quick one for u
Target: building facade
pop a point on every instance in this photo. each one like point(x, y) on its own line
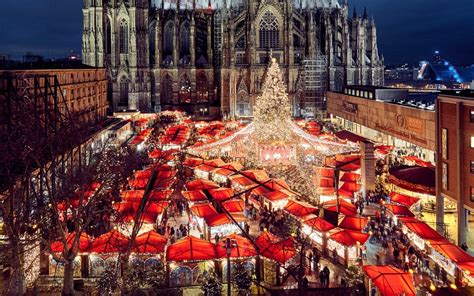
point(455, 169)
point(209, 56)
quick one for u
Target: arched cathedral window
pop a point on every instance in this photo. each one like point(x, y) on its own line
point(123, 92)
point(167, 90)
point(202, 89)
point(269, 31)
point(123, 36)
point(184, 38)
point(185, 90)
point(168, 36)
point(108, 36)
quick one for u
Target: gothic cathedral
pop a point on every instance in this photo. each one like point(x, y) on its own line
point(207, 57)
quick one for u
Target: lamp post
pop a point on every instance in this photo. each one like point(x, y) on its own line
point(228, 245)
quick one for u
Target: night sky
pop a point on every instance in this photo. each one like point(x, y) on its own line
point(408, 30)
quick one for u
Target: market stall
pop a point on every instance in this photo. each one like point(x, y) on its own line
point(188, 260)
point(222, 224)
point(200, 184)
point(389, 281)
point(80, 244)
point(299, 209)
point(357, 223)
point(105, 251)
point(347, 244)
point(316, 229)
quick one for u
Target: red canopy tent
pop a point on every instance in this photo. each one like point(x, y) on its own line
point(349, 136)
point(137, 195)
point(82, 244)
point(399, 210)
point(214, 162)
point(203, 210)
point(222, 219)
point(299, 209)
point(233, 166)
point(205, 168)
point(200, 184)
point(345, 207)
point(241, 181)
point(243, 247)
point(349, 237)
point(419, 162)
point(421, 229)
point(127, 211)
point(221, 193)
point(149, 242)
point(255, 175)
point(326, 182)
point(109, 242)
point(160, 154)
point(223, 172)
point(452, 252)
point(350, 187)
point(353, 223)
point(319, 224)
point(390, 281)
point(274, 248)
point(326, 172)
point(403, 199)
point(192, 162)
point(277, 195)
point(83, 194)
point(195, 195)
point(414, 178)
point(191, 248)
point(350, 177)
point(234, 205)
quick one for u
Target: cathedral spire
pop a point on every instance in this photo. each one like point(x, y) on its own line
point(365, 13)
point(354, 13)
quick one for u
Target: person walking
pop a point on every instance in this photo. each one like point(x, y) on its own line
point(326, 276)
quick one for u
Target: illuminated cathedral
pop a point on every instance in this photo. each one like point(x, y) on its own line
point(208, 57)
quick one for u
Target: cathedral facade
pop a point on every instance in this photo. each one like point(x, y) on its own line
point(208, 57)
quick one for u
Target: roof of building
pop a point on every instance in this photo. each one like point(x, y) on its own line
point(62, 64)
point(467, 93)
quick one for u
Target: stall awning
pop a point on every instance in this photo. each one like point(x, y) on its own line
point(234, 205)
point(223, 172)
point(346, 207)
point(353, 223)
point(191, 248)
point(82, 245)
point(137, 195)
point(232, 166)
point(221, 193)
point(243, 247)
point(299, 208)
point(399, 210)
point(205, 168)
point(162, 155)
point(257, 175)
point(419, 162)
point(222, 219)
point(109, 242)
point(200, 184)
point(319, 224)
point(325, 172)
point(275, 248)
point(403, 199)
point(241, 181)
point(452, 252)
point(277, 195)
point(350, 177)
point(350, 187)
point(349, 237)
point(195, 195)
point(150, 242)
point(203, 210)
point(421, 229)
point(390, 281)
point(192, 162)
point(414, 178)
point(349, 136)
point(215, 162)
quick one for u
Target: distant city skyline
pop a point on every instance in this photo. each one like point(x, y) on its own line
point(408, 31)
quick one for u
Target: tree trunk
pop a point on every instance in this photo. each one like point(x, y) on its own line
point(17, 282)
point(68, 279)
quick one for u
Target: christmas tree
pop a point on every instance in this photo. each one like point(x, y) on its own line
point(241, 279)
point(272, 112)
point(211, 285)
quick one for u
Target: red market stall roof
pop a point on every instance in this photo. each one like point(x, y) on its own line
point(257, 175)
point(205, 168)
point(346, 207)
point(350, 167)
point(234, 205)
point(243, 247)
point(319, 224)
point(222, 219)
point(349, 136)
point(223, 172)
point(127, 211)
point(326, 190)
point(353, 223)
point(221, 193)
point(137, 195)
point(452, 252)
point(414, 178)
point(403, 199)
point(150, 242)
point(109, 242)
point(350, 177)
point(203, 210)
point(192, 161)
point(233, 166)
point(200, 184)
point(326, 172)
point(384, 149)
point(349, 237)
point(299, 208)
point(419, 162)
point(399, 210)
point(160, 154)
point(195, 195)
point(275, 248)
point(215, 162)
point(82, 244)
point(241, 180)
point(421, 229)
point(191, 248)
point(467, 267)
point(390, 281)
point(350, 186)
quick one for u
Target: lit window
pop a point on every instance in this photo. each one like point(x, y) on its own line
point(269, 33)
point(472, 167)
point(472, 194)
point(472, 142)
point(472, 116)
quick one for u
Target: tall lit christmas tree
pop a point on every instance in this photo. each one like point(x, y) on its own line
point(272, 112)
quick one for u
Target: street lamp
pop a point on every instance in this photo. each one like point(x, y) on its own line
point(228, 244)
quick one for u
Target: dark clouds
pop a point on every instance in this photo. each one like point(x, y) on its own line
point(408, 30)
